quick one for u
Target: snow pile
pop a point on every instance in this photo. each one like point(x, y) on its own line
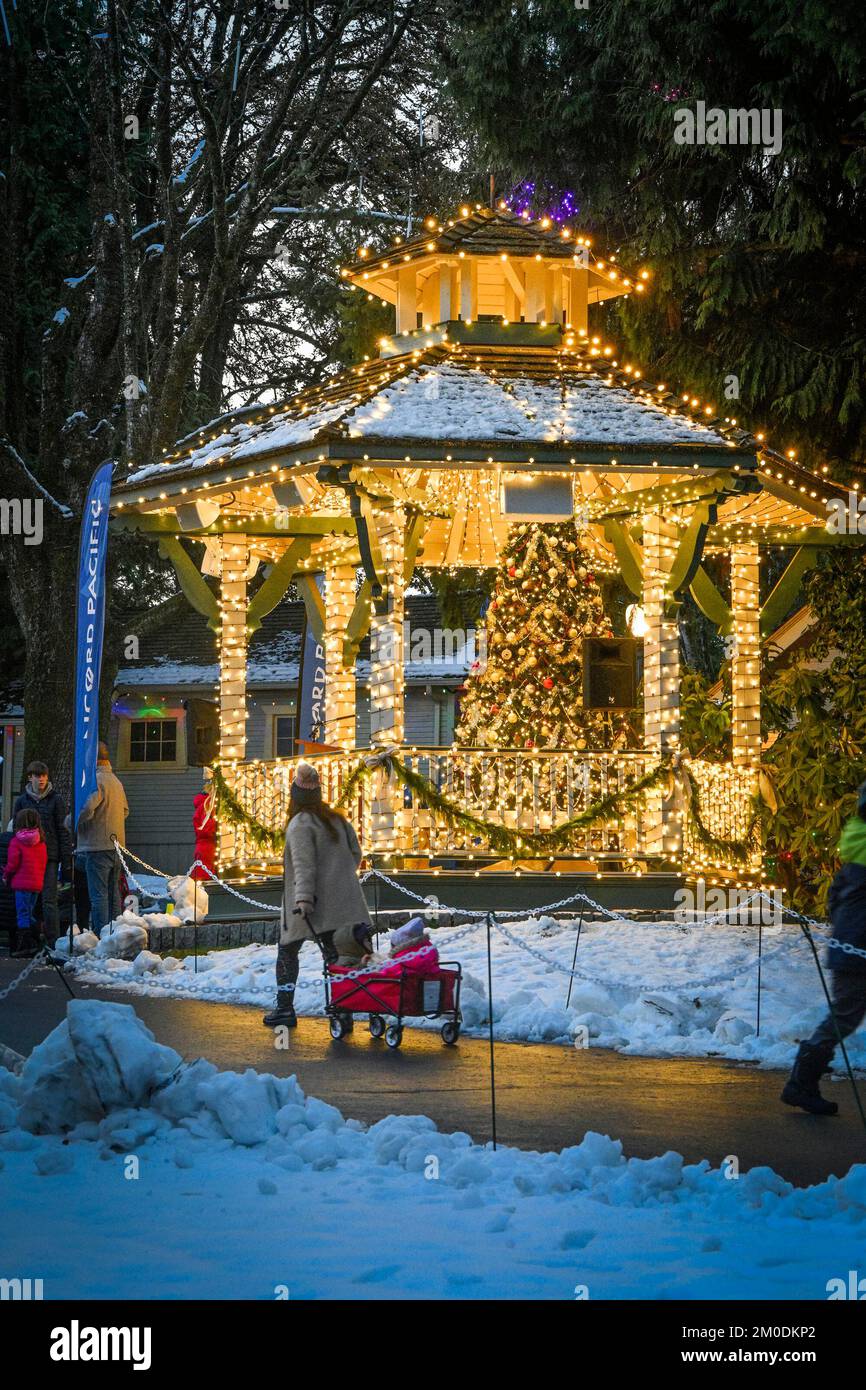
point(642, 988)
point(530, 1223)
point(189, 898)
point(82, 942)
point(99, 1059)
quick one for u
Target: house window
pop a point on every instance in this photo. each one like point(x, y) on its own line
point(153, 741)
point(284, 736)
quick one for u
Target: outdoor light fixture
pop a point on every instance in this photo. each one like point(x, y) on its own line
point(636, 620)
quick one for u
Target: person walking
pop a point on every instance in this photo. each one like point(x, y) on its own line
point(321, 892)
point(24, 873)
point(40, 795)
point(101, 822)
point(846, 905)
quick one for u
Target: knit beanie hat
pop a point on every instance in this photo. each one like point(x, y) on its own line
point(306, 789)
point(410, 935)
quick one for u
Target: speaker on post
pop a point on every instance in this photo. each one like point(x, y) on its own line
point(610, 673)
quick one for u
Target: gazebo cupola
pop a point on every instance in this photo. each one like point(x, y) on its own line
point(473, 275)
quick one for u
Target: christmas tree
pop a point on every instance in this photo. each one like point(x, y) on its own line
point(529, 691)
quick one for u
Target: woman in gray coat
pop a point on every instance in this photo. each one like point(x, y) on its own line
point(321, 892)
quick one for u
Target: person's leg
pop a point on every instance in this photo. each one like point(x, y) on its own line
point(848, 995)
point(25, 903)
point(82, 897)
point(288, 967)
point(50, 912)
point(115, 906)
point(98, 865)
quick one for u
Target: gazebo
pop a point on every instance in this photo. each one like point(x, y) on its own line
point(492, 403)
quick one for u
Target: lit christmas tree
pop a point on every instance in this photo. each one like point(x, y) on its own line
point(529, 693)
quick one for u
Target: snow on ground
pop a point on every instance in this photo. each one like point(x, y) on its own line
point(128, 1173)
point(646, 990)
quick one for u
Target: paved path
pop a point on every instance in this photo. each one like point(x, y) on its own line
point(547, 1097)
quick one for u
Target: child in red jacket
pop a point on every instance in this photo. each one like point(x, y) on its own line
point(25, 874)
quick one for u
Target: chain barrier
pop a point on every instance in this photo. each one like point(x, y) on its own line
point(639, 985)
point(499, 919)
point(39, 959)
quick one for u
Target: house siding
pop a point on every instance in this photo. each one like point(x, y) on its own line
point(159, 826)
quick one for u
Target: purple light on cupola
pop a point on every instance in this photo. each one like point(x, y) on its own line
point(542, 201)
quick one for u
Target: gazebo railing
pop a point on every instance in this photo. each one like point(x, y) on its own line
point(525, 790)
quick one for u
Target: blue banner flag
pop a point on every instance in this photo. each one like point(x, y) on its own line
point(311, 685)
point(89, 631)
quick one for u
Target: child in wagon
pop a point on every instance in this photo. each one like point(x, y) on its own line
point(354, 946)
point(412, 941)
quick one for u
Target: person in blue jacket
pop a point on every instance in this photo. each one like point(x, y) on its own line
point(846, 905)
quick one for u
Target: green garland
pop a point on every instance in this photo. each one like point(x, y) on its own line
point(501, 839)
point(738, 850)
point(229, 808)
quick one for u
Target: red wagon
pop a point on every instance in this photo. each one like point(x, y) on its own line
point(397, 995)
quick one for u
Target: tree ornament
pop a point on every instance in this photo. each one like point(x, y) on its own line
point(547, 683)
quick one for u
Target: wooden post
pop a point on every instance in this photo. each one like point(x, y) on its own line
point(535, 307)
point(661, 678)
point(468, 272)
point(746, 655)
point(578, 312)
point(407, 300)
point(387, 723)
point(339, 678)
point(234, 561)
point(553, 295)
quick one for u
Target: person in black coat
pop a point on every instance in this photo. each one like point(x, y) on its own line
point(846, 906)
point(40, 796)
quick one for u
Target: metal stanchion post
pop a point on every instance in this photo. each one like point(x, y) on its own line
point(490, 1030)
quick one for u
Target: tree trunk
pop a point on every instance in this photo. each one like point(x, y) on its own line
point(43, 589)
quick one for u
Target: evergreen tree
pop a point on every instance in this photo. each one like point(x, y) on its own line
point(757, 257)
point(529, 691)
point(815, 709)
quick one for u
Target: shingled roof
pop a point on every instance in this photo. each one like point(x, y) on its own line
point(447, 394)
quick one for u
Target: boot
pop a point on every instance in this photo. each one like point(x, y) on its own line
point(25, 947)
point(282, 1015)
point(801, 1088)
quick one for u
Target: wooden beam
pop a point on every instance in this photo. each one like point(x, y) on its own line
point(309, 591)
point(702, 487)
point(688, 556)
point(783, 595)
point(414, 536)
point(725, 534)
point(160, 524)
point(628, 554)
point(359, 623)
point(274, 587)
point(514, 281)
point(193, 585)
point(710, 601)
point(368, 540)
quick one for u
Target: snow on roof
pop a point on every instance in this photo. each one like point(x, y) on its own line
point(450, 402)
point(452, 399)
